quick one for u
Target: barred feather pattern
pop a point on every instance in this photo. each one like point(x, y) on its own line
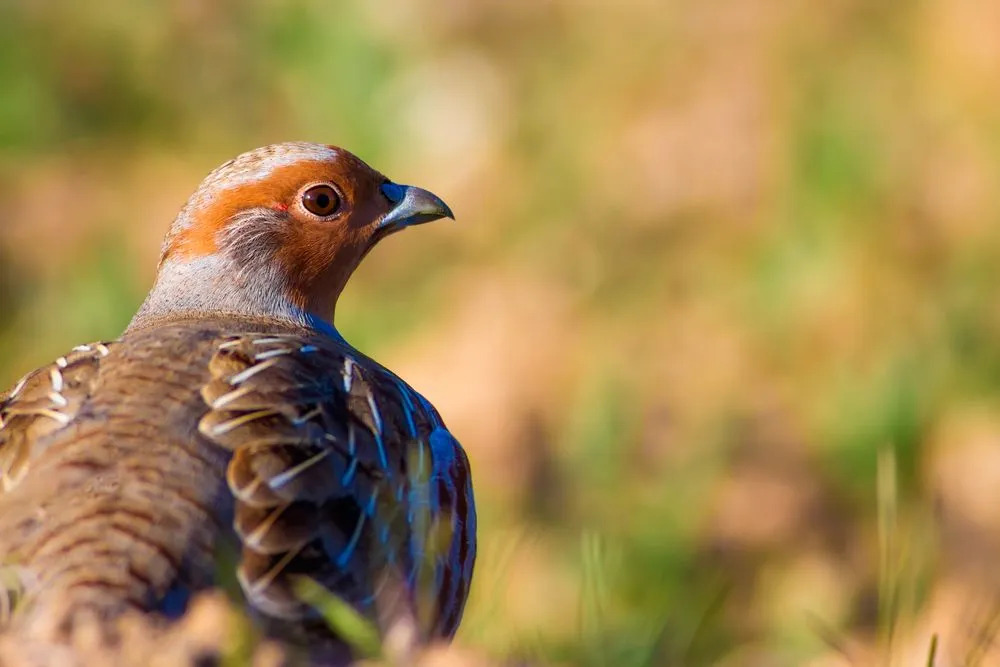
point(342, 473)
point(40, 404)
point(111, 499)
point(125, 466)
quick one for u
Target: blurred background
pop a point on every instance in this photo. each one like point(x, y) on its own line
point(718, 323)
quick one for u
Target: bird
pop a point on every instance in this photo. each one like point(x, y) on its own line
point(231, 434)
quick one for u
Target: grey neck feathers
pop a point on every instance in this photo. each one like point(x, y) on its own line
point(240, 279)
point(214, 285)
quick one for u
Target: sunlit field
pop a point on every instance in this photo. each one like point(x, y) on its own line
point(718, 323)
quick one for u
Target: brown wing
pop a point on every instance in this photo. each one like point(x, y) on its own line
point(341, 473)
point(41, 403)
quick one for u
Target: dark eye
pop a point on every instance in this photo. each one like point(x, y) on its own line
point(321, 200)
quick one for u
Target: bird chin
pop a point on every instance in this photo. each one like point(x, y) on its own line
point(385, 230)
point(378, 235)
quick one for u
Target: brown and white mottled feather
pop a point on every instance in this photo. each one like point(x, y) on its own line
point(232, 415)
point(41, 403)
point(119, 504)
point(331, 467)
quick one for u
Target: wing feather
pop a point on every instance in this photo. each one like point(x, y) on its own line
point(42, 403)
point(335, 469)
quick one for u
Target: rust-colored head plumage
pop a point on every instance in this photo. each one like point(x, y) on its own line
point(279, 230)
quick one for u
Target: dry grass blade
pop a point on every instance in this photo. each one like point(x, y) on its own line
point(888, 584)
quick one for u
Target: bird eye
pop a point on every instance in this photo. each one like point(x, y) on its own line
point(321, 200)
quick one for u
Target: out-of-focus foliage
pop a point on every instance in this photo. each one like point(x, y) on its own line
point(712, 257)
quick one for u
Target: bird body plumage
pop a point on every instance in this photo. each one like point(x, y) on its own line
point(231, 416)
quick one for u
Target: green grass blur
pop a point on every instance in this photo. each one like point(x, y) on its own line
point(711, 258)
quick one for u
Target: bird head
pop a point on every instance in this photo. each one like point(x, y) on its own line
point(278, 231)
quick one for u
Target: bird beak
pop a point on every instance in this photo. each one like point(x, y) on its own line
point(413, 206)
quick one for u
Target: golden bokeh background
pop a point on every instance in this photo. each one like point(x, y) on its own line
point(718, 323)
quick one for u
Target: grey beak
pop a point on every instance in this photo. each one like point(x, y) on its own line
point(413, 206)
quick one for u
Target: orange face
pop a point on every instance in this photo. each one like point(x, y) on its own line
point(310, 211)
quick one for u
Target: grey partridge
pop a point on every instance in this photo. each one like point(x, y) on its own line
point(231, 417)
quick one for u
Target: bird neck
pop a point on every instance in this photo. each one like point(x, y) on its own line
point(214, 285)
